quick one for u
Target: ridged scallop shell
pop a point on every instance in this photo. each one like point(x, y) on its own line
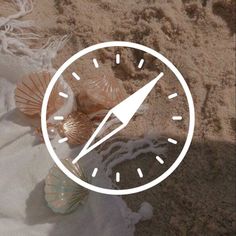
point(30, 92)
point(98, 89)
point(76, 127)
point(104, 91)
point(61, 193)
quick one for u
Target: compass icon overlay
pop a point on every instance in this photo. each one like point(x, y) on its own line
point(190, 127)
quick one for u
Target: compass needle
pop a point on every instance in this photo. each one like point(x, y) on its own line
point(124, 111)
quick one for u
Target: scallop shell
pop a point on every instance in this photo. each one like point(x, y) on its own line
point(76, 127)
point(30, 92)
point(61, 193)
point(87, 105)
point(105, 91)
point(99, 89)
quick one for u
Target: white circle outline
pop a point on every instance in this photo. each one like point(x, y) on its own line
point(191, 118)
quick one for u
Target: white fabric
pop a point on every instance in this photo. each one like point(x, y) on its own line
point(24, 165)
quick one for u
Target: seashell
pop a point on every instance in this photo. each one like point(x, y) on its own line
point(87, 105)
point(99, 89)
point(61, 193)
point(104, 91)
point(76, 127)
point(30, 92)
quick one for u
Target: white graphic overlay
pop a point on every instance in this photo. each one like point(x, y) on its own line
point(191, 116)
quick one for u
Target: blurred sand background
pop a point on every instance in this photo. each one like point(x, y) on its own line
point(199, 38)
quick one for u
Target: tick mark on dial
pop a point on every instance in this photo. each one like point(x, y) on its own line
point(159, 160)
point(117, 58)
point(117, 177)
point(63, 140)
point(173, 95)
point(95, 62)
point(140, 173)
point(140, 65)
point(75, 76)
point(58, 118)
point(64, 95)
point(170, 140)
point(177, 117)
point(94, 172)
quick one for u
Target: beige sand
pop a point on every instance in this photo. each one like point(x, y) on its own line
point(198, 36)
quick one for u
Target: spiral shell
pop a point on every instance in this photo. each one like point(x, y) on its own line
point(76, 127)
point(30, 92)
point(61, 193)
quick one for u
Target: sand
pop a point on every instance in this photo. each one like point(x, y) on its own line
point(199, 38)
point(196, 38)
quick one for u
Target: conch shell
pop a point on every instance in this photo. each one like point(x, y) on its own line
point(30, 92)
point(76, 127)
point(61, 193)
